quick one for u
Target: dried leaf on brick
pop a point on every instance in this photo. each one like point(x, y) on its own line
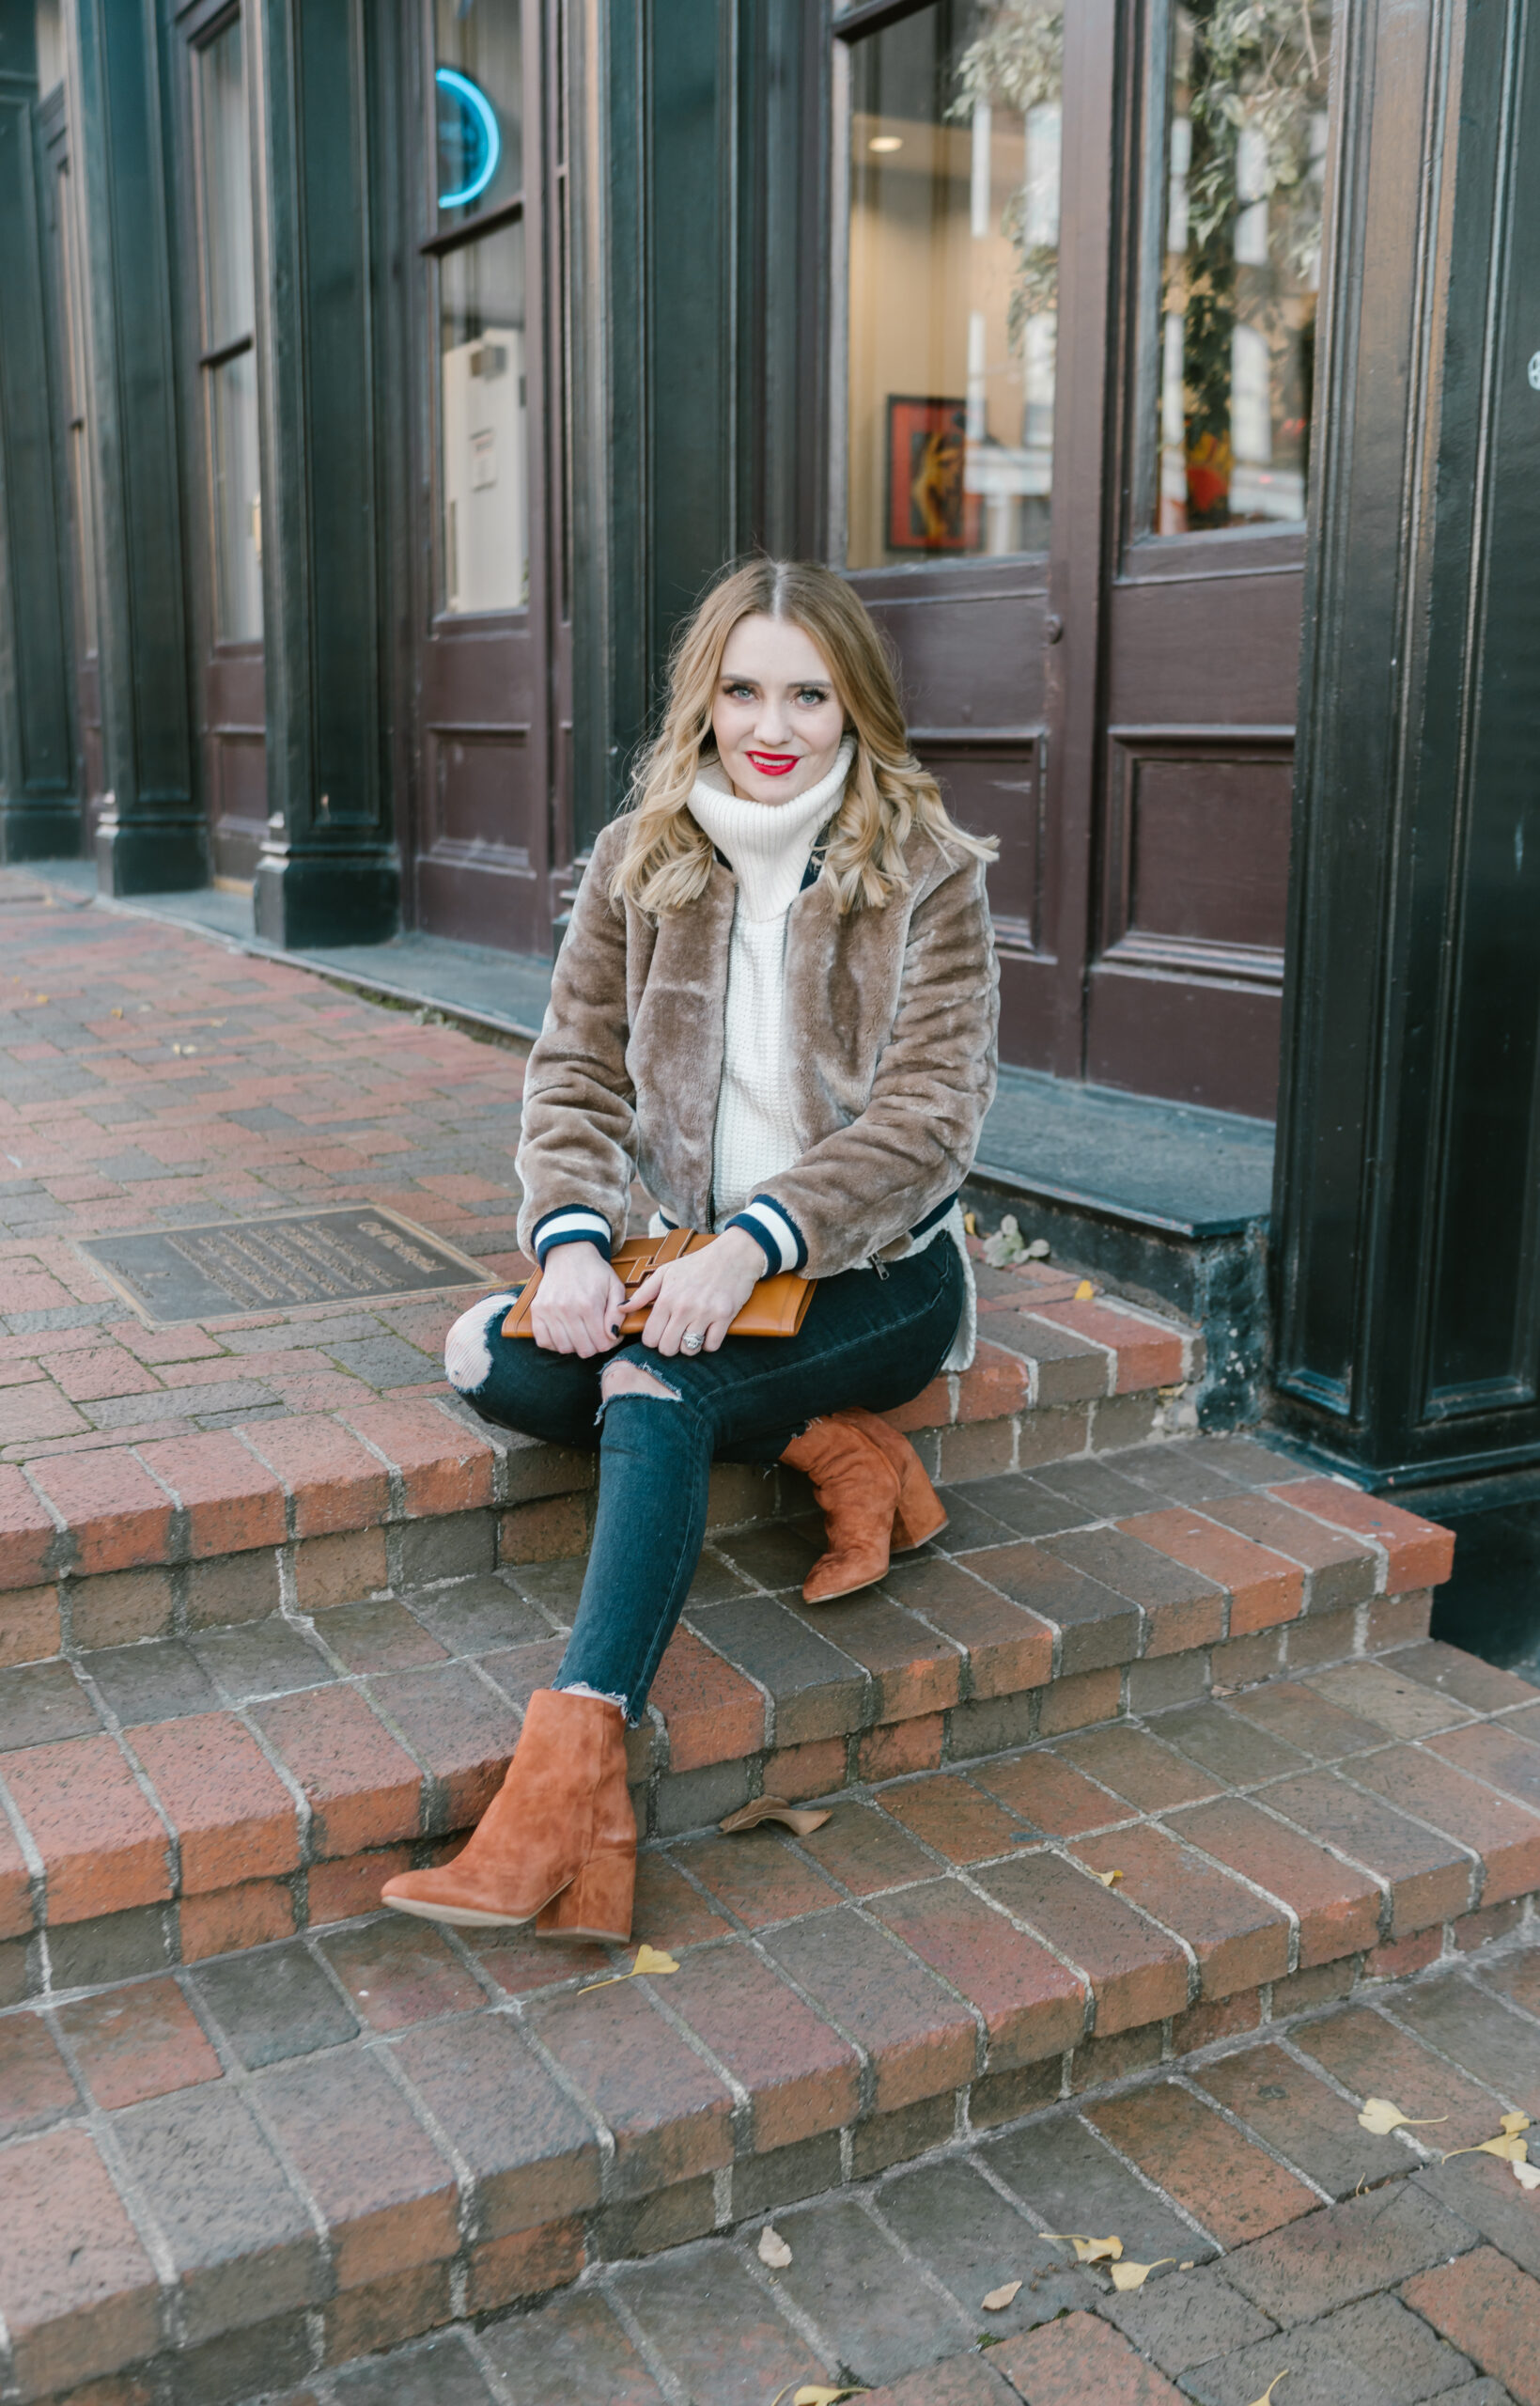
point(772, 2249)
point(1266, 2398)
point(802, 1819)
point(1108, 1878)
point(1133, 2276)
point(1380, 2117)
point(1508, 2148)
point(1527, 2174)
point(1090, 2251)
point(648, 1959)
point(998, 2300)
point(1085, 1292)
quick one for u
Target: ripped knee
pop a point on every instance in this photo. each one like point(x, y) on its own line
point(630, 1378)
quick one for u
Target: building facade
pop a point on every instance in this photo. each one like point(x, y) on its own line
point(382, 380)
point(412, 365)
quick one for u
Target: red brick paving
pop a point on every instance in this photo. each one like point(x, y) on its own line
point(1224, 2181)
point(138, 2041)
point(1065, 2363)
point(103, 1847)
point(1486, 2306)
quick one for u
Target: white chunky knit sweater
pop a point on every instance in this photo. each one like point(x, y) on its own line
point(767, 845)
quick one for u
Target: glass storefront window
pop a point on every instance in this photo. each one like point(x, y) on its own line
point(483, 424)
point(229, 313)
point(1245, 159)
point(478, 98)
point(953, 281)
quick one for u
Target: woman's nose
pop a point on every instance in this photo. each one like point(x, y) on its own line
point(771, 727)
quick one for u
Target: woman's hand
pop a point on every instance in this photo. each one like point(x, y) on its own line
point(579, 1304)
point(701, 1293)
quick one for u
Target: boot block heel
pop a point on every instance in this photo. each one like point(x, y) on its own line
point(596, 1904)
point(929, 1520)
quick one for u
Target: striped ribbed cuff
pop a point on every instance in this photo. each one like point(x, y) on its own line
point(576, 1225)
point(776, 1231)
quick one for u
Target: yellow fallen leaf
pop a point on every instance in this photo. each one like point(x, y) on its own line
point(1108, 1878)
point(970, 1224)
point(1090, 2251)
point(1266, 2398)
point(1513, 2123)
point(813, 2393)
point(802, 1819)
point(648, 1959)
point(1380, 2117)
point(1509, 2149)
point(117, 1010)
point(998, 2300)
point(1085, 1292)
point(1133, 2276)
point(1187, 2265)
point(772, 2249)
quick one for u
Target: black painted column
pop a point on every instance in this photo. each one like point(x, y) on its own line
point(152, 835)
point(699, 394)
point(40, 807)
point(328, 871)
point(1408, 1208)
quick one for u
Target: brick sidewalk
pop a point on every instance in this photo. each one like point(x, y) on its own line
point(1360, 2268)
point(152, 1079)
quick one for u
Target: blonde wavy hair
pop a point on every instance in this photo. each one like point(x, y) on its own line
point(667, 860)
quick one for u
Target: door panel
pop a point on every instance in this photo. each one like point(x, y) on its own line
point(976, 696)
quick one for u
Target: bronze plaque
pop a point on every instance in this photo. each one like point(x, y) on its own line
point(350, 1253)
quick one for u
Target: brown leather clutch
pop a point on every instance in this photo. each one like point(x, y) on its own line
point(777, 1307)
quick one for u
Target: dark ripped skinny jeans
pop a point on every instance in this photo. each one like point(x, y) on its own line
point(872, 1337)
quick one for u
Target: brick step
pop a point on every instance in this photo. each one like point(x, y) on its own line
point(103, 1542)
point(220, 1786)
point(1280, 2237)
point(229, 2175)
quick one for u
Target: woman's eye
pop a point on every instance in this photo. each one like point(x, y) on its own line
point(811, 698)
point(740, 692)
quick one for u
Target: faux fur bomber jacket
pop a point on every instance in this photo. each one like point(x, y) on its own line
point(889, 1030)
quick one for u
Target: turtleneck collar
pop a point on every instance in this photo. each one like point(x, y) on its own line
point(766, 844)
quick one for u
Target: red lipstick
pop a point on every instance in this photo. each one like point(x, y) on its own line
point(771, 764)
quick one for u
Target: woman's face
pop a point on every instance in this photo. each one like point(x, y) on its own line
point(776, 718)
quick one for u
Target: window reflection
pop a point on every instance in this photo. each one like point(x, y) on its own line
point(483, 424)
point(953, 281)
point(229, 312)
point(1246, 149)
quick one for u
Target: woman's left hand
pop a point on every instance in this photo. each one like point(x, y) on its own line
point(701, 1295)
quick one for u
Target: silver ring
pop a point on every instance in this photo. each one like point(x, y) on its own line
point(692, 1341)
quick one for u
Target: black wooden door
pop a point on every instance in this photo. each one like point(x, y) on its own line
point(1074, 302)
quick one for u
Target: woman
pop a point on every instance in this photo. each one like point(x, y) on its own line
point(776, 1004)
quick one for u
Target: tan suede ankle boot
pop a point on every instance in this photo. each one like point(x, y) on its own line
point(857, 1491)
point(921, 1513)
point(560, 1828)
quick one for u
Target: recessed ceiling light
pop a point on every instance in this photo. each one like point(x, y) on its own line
point(886, 142)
